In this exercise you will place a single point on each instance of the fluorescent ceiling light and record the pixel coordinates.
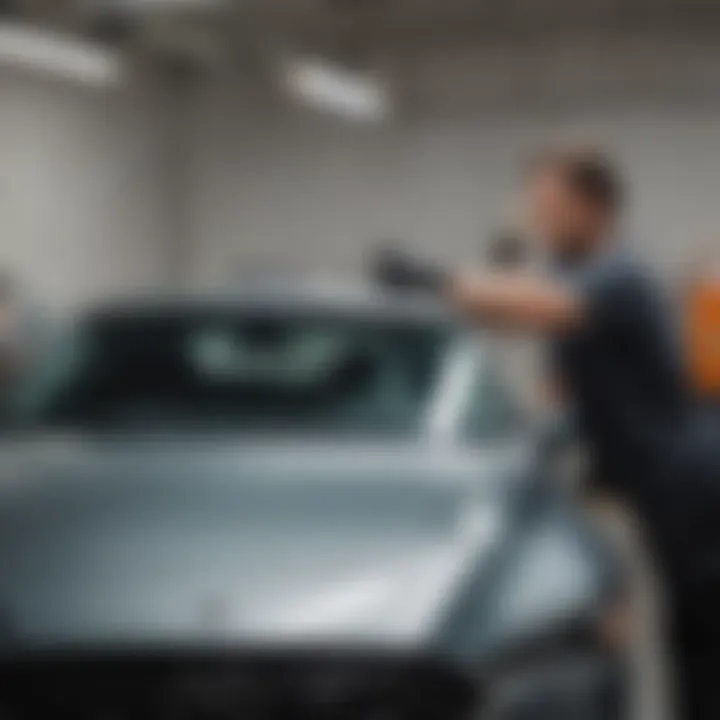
(49, 52)
(337, 90)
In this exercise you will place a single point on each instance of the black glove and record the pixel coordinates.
(397, 270)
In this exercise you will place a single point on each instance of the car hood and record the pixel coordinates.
(144, 543)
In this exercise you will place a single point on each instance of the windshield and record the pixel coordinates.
(241, 370)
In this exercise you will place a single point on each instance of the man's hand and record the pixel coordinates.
(397, 270)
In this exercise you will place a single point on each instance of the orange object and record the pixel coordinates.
(704, 336)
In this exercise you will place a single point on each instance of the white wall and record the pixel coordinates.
(273, 181)
(87, 178)
(81, 210)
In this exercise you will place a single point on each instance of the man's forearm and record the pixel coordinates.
(514, 300)
(508, 299)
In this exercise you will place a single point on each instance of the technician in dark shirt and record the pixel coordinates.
(614, 354)
(623, 372)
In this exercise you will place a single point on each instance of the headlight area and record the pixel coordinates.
(577, 674)
(569, 688)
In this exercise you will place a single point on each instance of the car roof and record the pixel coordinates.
(339, 300)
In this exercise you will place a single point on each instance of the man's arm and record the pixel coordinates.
(509, 299)
(515, 300)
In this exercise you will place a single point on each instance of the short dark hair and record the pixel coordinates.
(589, 171)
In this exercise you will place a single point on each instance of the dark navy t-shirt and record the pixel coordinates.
(624, 375)
(623, 372)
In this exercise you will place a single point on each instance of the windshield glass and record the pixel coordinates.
(252, 370)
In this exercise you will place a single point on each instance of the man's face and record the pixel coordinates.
(558, 216)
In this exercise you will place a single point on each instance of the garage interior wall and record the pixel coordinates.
(94, 197)
(81, 200)
(273, 182)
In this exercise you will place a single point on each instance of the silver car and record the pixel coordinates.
(297, 505)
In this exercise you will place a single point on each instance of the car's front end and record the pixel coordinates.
(283, 511)
(368, 583)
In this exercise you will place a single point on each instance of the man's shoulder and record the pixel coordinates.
(619, 269)
(618, 287)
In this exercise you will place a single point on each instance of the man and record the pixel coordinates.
(616, 361)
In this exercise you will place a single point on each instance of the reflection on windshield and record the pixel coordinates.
(254, 371)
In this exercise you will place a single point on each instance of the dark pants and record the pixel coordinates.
(676, 496)
(695, 654)
(691, 545)
(680, 508)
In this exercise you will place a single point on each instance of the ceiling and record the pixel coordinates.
(353, 26)
(413, 14)
(410, 13)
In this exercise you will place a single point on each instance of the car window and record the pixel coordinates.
(492, 409)
(256, 371)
